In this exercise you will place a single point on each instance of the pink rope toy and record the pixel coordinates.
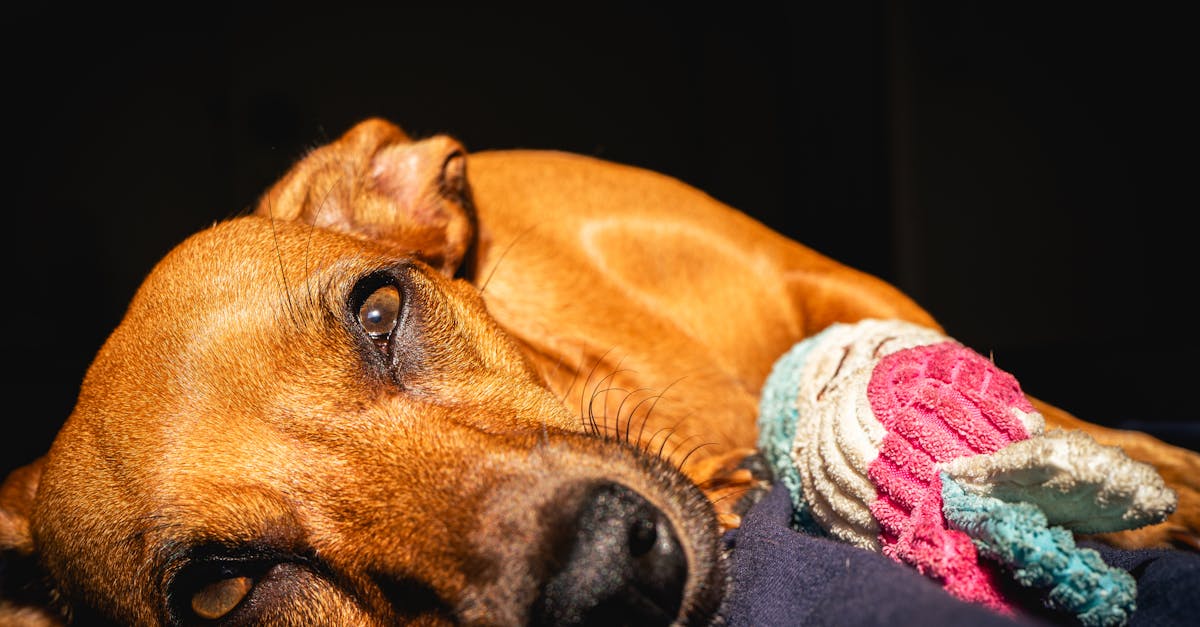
(896, 438)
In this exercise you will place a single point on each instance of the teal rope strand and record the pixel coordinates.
(777, 418)
(1017, 536)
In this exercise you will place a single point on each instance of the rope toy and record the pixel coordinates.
(896, 438)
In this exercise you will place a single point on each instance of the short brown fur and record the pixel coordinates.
(608, 324)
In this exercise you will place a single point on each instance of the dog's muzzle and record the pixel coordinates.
(616, 560)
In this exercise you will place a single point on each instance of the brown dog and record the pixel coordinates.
(390, 396)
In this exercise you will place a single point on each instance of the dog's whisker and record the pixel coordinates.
(629, 420)
(548, 377)
(617, 416)
(604, 412)
(648, 443)
(610, 430)
(587, 411)
(589, 423)
(492, 272)
(591, 407)
(312, 226)
(574, 379)
(609, 377)
(662, 445)
(736, 495)
(691, 452)
(288, 304)
(680, 445)
(654, 403)
(670, 434)
(711, 482)
(645, 415)
(597, 390)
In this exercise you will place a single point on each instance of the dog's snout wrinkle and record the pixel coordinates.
(616, 561)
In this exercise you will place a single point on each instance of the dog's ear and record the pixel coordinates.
(24, 594)
(377, 183)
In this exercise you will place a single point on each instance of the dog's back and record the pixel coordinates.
(639, 282)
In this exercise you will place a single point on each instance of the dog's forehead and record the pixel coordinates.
(240, 289)
(253, 255)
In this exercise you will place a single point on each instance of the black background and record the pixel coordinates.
(1026, 173)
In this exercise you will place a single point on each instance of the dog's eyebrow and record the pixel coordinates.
(332, 283)
(172, 554)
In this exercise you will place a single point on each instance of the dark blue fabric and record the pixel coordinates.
(781, 577)
(1168, 583)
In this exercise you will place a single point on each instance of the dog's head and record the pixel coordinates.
(305, 418)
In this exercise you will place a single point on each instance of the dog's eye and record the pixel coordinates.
(219, 589)
(380, 312)
(220, 597)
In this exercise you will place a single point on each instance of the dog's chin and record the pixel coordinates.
(606, 536)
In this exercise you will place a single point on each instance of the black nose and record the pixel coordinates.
(617, 561)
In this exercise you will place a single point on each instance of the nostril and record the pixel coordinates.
(642, 535)
(619, 562)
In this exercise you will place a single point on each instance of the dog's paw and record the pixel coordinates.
(733, 482)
